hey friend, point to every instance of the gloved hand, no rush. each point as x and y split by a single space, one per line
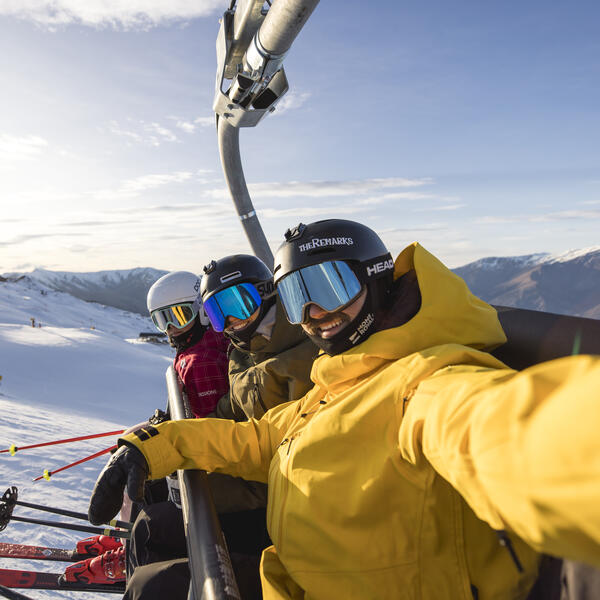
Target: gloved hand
127 466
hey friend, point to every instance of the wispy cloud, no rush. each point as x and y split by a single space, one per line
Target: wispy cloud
117 14
14 148
191 126
132 188
539 218
142 132
324 189
21 239
291 101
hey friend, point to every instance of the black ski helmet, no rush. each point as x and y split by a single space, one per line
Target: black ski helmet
233 269
358 246
240 268
333 239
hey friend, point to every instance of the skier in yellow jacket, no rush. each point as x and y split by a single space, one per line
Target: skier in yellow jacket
419 466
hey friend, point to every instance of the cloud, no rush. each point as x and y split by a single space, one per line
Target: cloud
21 239
152 134
116 14
439 207
324 189
191 126
291 101
132 188
14 148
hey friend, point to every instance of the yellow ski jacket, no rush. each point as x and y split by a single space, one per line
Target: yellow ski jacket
387 480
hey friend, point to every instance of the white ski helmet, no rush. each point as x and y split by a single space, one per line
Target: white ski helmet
177 287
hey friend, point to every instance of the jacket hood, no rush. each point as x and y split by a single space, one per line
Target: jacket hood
449 314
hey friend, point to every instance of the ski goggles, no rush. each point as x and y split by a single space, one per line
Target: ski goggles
178 315
331 285
240 301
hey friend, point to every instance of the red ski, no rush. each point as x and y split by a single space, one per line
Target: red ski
18 578
8 550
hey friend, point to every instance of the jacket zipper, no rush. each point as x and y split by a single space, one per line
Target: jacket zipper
284 493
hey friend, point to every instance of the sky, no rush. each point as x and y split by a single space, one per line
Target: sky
470 127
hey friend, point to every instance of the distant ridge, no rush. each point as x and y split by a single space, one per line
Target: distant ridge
125 289
567 283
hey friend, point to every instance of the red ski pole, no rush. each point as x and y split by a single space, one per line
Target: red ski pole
47 474
14 449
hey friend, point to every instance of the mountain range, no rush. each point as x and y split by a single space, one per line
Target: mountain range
125 289
566 283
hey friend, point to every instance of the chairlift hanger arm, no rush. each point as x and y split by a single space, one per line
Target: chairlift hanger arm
251 46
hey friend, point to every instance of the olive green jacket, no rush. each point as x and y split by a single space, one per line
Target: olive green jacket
272 372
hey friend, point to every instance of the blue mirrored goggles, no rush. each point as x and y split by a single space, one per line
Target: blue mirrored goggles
331 285
240 301
178 315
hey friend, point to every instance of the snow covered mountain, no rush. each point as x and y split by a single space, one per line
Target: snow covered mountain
82 371
125 289
567 284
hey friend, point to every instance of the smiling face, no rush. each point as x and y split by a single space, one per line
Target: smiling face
325 324
233 324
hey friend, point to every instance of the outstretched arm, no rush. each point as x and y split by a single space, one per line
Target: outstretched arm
522 448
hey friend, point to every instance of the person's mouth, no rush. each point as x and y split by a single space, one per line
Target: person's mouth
327 328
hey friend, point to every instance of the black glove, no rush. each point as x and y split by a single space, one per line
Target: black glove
127 466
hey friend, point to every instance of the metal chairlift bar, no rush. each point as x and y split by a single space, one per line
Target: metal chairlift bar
212 576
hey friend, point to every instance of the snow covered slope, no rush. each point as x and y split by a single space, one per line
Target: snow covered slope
83 371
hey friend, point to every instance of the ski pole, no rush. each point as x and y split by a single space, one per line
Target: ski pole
12 595
71 513
99 530
10 500
14 449
47 474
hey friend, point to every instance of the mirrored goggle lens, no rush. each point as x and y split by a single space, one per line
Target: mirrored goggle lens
330 285
240 301
178 315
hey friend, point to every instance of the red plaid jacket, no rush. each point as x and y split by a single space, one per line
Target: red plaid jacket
203 370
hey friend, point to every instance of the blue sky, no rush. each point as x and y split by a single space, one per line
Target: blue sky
471 127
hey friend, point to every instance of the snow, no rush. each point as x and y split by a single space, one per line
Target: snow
82 372
530 260
572 254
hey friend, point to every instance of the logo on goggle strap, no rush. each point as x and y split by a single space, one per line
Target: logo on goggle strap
362 328
320 242
379 267
265 289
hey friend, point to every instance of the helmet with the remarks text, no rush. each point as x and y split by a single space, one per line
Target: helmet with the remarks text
330 263
329 240
176 289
